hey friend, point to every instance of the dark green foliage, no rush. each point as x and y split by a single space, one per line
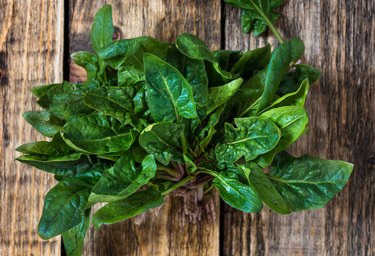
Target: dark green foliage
255 12
154 116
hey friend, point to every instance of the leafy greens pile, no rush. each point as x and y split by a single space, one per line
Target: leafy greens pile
153 117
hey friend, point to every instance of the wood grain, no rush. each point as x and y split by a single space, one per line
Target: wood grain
161 233
31 44
339 38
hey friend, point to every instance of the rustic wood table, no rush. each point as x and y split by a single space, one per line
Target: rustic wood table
36 38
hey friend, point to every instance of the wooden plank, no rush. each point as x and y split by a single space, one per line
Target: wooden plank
339 38
161 233
348 36
31 45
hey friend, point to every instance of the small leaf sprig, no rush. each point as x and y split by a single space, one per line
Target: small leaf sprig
155 117
257 15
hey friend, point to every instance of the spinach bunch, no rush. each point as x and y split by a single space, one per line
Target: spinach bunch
153 117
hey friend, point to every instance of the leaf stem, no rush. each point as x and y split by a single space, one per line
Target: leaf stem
206 171
183 144
178 185
168 170
268 21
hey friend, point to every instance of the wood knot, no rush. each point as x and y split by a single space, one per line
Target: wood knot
3 78
117 34
371 162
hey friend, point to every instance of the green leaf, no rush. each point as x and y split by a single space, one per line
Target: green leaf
217 96
102 28
98 134
43 122
111 101
117 53
62 165
248 95
251 61
169 95
56 147
127 208
194 72
227 58
308 182
206 133
282 57
88 61
292 122
252 137
64 207
73 239
42 90
194 48
266 190
292 81
130 74
62 100
239 195
190 166
296 98
123 179
162 140
254 13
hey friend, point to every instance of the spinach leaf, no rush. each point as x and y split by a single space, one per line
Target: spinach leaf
111 101
308 182
256 14
43 122
227 58
88 61
251 61
247 98
169 95
195 48
64 206
219 95
205 135
292 80
282 57
62 165
292 122
194 72
74 237
127 208
56 147
253 136
162 140
63 101
42 90
98 134
117 53
102 28
263 185
123 179
241 196
296 98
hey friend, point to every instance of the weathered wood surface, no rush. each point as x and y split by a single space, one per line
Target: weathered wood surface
31 44
340 39
161 233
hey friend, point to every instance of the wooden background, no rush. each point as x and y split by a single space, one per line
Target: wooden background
36 38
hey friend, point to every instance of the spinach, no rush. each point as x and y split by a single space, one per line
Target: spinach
153 117
257 15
